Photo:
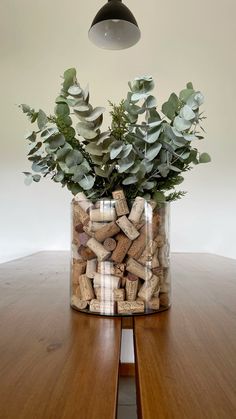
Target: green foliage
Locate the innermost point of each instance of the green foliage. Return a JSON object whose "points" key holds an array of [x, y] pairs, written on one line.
{"points": [[142, 150]]}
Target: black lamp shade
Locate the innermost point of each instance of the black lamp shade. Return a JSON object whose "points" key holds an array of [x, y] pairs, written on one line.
{"points": [[114, 27]]}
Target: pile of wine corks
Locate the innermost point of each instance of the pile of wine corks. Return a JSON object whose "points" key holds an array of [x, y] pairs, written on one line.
{"points": [[120, 256]]}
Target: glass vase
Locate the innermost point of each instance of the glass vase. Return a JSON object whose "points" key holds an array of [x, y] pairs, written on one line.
{"points": [[120, 262]]}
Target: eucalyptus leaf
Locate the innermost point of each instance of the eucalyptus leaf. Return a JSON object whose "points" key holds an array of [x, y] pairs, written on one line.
{"points": [[181, 124], [95, 114], [41, 119], [125, 164], [28, 179], [74, 90], [58, 177], [48, 132], [115, 149], [36, 178], [150, 102], [87, 182], [152, 135], [31, 136], [35, 149], [69, 78], [153, 151], [62, 152], [62, 109], [85, 129], [73, 158], [187, 113], [185, 94], [94, 149], [56, 141], [204, 158], [130, 180]]}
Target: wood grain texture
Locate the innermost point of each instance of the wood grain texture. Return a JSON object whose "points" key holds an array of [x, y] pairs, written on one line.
{"points": [[54, 362], [186, 357]]}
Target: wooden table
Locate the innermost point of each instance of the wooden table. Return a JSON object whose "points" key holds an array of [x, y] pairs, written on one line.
{"points": [[57, 363], [186, 357]]}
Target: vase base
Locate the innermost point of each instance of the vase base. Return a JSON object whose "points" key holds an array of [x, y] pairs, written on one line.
{"points": [[146, 313]]}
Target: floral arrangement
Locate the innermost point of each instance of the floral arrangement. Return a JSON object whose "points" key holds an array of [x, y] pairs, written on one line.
{"points": [[144, 151]]}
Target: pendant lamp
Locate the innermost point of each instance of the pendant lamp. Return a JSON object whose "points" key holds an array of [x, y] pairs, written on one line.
{"points": [[114, 27]]}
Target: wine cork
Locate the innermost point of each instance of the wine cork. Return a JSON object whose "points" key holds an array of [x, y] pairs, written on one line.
{"points": [[147, 253], [102, 307], [106, 268], [123, 281], [79, 228], [131, 288], [75, 251], [155, 223], [164, 299], [103, 214], [88, 231], [122, 247], [127, 227], [91, 268], [107, 294], [163, 256], [86, 253], [154, 303], [155, 262], [83, 201], [98, 249], [78, 303], [79, 215], [86, 288], [137, 209], [77, 292], [138, 269], [160, 240], [106, 281], [132, 277], [138, 246], [95, 226], [148, 288], [119, 269], [157, 291], [83, 238], [77, 268], [120, 202], [109, 244], [130, 307], [109, 230]]}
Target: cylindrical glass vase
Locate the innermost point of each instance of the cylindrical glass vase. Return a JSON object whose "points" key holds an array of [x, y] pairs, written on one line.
{"points": [[120, 256]]}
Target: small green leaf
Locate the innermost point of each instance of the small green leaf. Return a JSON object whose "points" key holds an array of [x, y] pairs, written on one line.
{"points": [[181, 124], [41, 119], [94, 149], [130, 180], [115, 149], [185, 94], [31, 136], [62, 152], [56, 141], [153, 151], [95, 114], [25, 108], [48, 132], [36, 178], [87, 182], [86, 130], [73, 158], [204, 158], [69, 78], [62, 109], [159, 197], [58, 177], [187, 113], [35, 149], [75, 90], [189, 85]]}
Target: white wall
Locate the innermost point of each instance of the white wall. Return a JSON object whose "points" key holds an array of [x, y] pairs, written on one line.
{"points": [[181, 41]]}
